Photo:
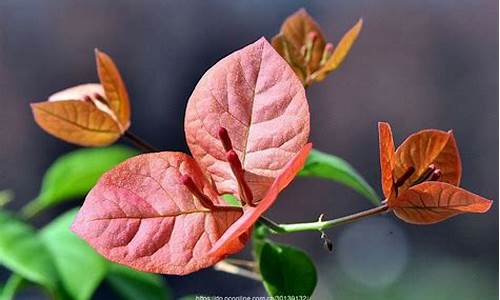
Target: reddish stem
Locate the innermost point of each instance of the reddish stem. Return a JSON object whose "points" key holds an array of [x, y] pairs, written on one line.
{"points": [[224, 138], [235, 164], [204, 199]]}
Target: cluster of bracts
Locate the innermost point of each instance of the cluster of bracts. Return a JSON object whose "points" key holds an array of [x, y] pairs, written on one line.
{"points": [[247, 127]]}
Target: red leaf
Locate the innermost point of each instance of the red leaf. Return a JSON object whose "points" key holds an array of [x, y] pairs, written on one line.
{"points": [[386, 147], [251, 214], [431, 202], [141, 215], [256, 96]]}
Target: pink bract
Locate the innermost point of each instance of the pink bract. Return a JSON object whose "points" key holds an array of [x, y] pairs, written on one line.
{"points": [[257, 97]]}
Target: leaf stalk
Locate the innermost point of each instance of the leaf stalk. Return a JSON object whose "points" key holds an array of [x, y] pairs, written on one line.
{"points": [[139, 143], [322, 225]]}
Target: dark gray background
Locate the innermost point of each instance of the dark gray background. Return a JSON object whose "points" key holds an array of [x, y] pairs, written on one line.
{"points": [[416, 64]]}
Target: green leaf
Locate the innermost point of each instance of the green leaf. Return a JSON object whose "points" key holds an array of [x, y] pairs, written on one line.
{"points": [[286, 271], [11, 287], [80, 268], [135, 285], [74, 174], [231, 200], [331, 167], [259, 237], [22, 251], [5, 197]]}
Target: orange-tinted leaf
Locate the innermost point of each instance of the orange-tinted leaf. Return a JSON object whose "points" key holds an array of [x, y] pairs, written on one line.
{"points": [[449, 162], [340, 52], [291, 55], [296, 30], [77, 122], [251, 214], [255, 95], [92, 92], [114, 88], [141, 215], [386, 151], [427, 147], [431, 202]]}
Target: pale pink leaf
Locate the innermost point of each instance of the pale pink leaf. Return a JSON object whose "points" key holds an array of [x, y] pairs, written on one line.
{"points": [[141, 215], [256, 96]]}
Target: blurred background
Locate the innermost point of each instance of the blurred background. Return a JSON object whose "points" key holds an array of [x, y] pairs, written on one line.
{"points": [[417, 64]]}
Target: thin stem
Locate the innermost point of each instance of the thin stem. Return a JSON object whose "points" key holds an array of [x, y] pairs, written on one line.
{"points": [[241, 262], [322, 225], [275, 227], [139, 143], [224, 266]]}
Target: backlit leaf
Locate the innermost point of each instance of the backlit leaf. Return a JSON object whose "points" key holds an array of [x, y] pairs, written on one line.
{"points": [[79, 267], [22, 251], [114, 88], [431, 202], [340, 52], [286, 271], [140, 214], [427, 147], [302, 44], [74, 174], [255, 95], [334, 168], [134, 285], [77, 122], [387, 160], [296, 30]]}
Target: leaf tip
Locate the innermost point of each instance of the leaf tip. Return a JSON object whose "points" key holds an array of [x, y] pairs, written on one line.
{"points": [[359, 23], [383, 125], [302, 11], [98, 54], [34, 105], [262, 40], [484, 206]]}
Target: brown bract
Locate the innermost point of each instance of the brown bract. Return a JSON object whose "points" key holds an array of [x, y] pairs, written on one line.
{"points": [[302, 44], [247, 125], [88, 114], [420, 179]]}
